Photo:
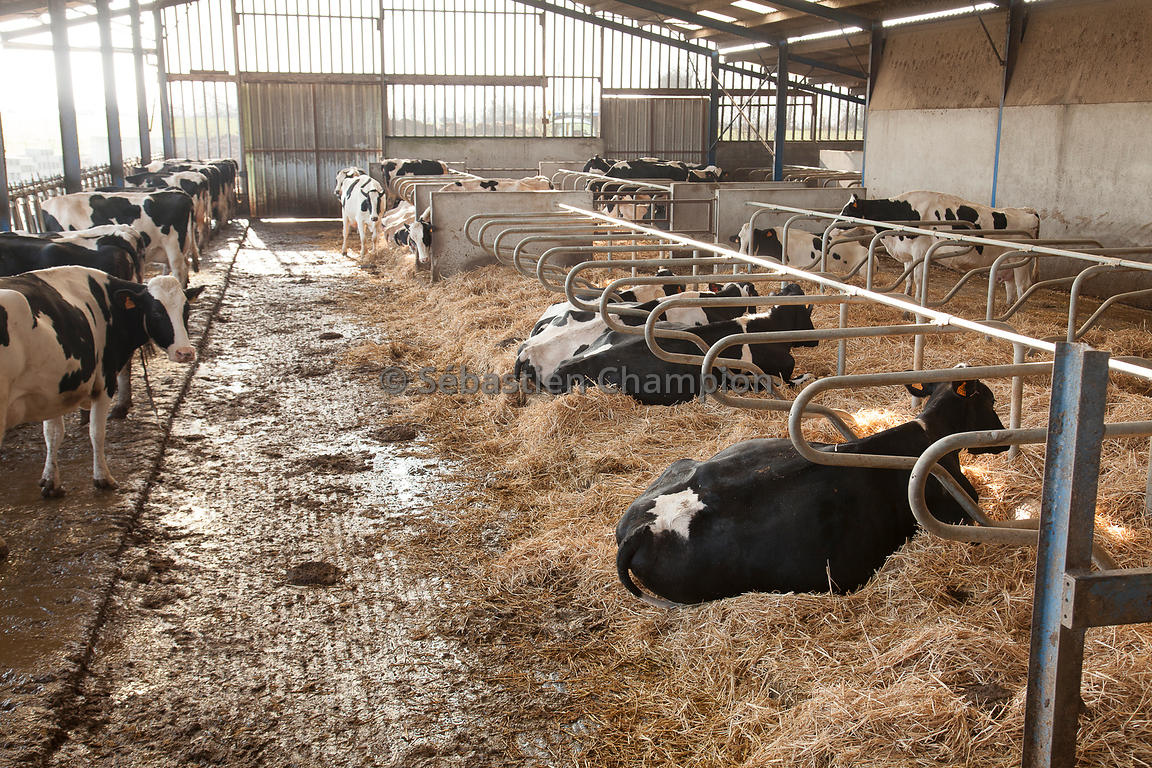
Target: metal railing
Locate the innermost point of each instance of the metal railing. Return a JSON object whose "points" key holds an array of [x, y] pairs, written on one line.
{"points": [[26, 197]]}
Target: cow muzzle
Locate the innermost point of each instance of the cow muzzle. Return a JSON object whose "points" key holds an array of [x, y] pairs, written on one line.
{"points": [[181, 354]]}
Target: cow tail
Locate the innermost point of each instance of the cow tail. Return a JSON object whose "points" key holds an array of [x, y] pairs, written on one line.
{"points": [[624, 557]]}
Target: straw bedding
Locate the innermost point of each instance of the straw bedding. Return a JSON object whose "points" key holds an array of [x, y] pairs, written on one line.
{"points": [[926, 665]]}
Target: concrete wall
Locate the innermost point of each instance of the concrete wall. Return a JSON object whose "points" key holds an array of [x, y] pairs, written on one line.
{"points": [[1075, 135]]}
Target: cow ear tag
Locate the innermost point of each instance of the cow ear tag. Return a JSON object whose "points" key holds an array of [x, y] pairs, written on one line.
{"points": [[962, 389]]}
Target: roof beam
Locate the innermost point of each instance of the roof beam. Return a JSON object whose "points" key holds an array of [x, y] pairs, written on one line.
{"points": [[684, 14], [543, 5], [844, 18]]}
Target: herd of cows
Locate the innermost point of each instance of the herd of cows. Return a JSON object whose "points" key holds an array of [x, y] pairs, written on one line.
{"points": [[757, 516], [74, 307]]}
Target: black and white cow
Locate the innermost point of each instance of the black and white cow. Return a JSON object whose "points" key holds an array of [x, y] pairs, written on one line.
{"points": [[360, 198], [758, 517], [565, 331], [165, 218], [597, 164], [395, 168], [65, 333], [21, 253], [803, 247], [117, 244], [530, 184], [217, 173], [937, 206], [624, 361], [673, 170], [196, 184], [418, 237]]}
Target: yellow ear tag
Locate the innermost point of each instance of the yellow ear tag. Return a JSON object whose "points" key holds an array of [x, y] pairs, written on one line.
{"points": [[962, 390], [128, 303]]}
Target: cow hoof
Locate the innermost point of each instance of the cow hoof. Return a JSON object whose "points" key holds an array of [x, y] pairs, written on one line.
{"points": [[105, 484], [119, 412], [801, 380], [50, 490]]}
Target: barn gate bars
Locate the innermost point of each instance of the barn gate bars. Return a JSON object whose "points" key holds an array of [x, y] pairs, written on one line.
{"points": [[1068, 597]]}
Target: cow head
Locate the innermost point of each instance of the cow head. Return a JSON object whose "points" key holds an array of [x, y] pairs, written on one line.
{"points": [[342, 175], [852, 207], [793, 317], [162, 307], [959, 406]]}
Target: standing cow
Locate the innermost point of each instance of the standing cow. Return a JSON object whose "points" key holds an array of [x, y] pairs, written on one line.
{"points": [[395, 168], [166, 218], [360, 197], [65, 332], [937, 206]]}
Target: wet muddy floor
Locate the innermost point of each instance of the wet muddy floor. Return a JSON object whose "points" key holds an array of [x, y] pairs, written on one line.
{"points": [[248, 596]]}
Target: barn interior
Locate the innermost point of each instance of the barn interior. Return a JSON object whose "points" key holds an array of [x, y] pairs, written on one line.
{"points": [[348, 535]]}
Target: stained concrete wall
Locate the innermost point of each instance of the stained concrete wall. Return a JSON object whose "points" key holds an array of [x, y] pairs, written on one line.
{"points": [[1075, 131]]}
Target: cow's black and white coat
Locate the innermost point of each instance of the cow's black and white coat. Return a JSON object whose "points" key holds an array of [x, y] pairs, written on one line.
{"points": [[360, 198], [803, 249], [564, 331], [65, 333], [395, 168], [673, 170], [624, 361], [938, 206], [166, 218], [758, 517]]}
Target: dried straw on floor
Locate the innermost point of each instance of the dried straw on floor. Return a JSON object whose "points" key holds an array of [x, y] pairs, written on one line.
{"points": [[926, 665]]}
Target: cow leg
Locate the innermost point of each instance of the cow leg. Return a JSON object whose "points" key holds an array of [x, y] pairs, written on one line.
{"points": [[344, 245], [195, 249], [3, 428], [50, 480], [178, 261], [101, 477], [363, 232], [123, 393]]}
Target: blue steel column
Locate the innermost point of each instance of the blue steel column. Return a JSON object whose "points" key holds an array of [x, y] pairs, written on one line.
{"points": [[1067, 515], [714, 109], [781, 112], [5, 205], [69, 143], [111, 108], [141, 91]]}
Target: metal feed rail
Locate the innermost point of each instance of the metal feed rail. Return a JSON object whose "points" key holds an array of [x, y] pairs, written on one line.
{"points": [[405, 185], [1018, 247], [1068, 598], [935, 316]]}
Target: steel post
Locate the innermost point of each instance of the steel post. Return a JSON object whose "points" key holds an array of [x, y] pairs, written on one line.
{"points": [[781, 112], [111, 107], [714, 109], [5, 203], [1067, 516], [162, 80], [141, 90], [69, 140]]}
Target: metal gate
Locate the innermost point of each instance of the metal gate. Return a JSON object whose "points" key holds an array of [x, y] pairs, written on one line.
{"points": [[299, 131], [668, 127]]}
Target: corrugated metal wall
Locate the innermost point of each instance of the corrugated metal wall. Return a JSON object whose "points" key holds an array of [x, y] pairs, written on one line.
{"points": [[672, 127], [298, 135]]}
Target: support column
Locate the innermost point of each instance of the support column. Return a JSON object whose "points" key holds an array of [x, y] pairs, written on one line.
{"points": [[781, 112], [69, 143], [714, 109], [111, 108], [141, 90], [5, 205], [162, 79], [875, 56], [1013, 36], [1067, 516]]}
